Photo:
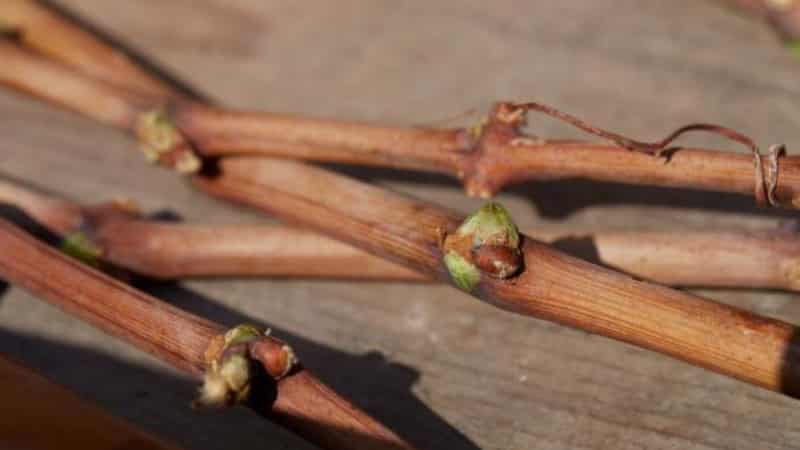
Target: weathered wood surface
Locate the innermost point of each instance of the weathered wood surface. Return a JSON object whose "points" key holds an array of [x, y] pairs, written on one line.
{"points": [[427, 359]]}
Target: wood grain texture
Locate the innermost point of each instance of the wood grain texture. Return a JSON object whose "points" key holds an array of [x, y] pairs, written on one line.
{"points": [[548, 387]]}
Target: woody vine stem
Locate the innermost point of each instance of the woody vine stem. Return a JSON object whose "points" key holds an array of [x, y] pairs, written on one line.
{"points": [[177, 131], [482, 254]]}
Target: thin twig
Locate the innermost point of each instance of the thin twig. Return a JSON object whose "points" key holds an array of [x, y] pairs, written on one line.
{"points": [[486, 158], [301, 402], [720, 258]]}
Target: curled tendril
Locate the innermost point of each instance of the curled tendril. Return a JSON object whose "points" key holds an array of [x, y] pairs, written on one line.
{"points": [[766, 176]]}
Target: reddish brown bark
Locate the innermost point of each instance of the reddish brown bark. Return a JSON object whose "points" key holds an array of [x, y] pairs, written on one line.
{"points": [[181, 339], [552, 286], [485, 159], [719, 258], [48, 31]]}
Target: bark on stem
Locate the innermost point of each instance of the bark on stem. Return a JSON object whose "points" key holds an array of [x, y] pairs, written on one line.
{"points": [[146, 116], [747, 259], [66, 87], [170, 251], [302, 403], [486, 158], [727, 259], [552, 285], [52, 34]]}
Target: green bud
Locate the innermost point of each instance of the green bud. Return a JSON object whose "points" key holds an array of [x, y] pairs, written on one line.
{"points": [[236, 371], [492, 225], [227, 383], [487, 242], [227, 379], [464, 274], [160, 137], [79, 246], [794, 47], [156, 133]]}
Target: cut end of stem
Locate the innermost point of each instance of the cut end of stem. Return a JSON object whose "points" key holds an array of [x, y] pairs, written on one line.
{"points": [[163, 143], [487, 242]]}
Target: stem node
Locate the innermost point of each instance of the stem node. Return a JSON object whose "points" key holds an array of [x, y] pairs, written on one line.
{"points": [[81, 247], [234, 361], [487, 242], [163, 143]]}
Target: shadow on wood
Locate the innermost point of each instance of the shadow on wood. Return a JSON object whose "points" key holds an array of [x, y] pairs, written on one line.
{"points": [[558, 199], [377, 385]]}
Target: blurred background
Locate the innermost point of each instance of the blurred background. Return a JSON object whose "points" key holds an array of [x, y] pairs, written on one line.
{"points": [[445, 371]]}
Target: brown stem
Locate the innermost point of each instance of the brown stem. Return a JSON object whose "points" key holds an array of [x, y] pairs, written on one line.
{"points": [[552, 285], [485, 158], [758, 259], [746, 259], [47, 416], [144, 115], [59, 216], [69, 88], [178, 251], [302, 403], [220, 132], [763, 259], [170, 251], [54, 35]]}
